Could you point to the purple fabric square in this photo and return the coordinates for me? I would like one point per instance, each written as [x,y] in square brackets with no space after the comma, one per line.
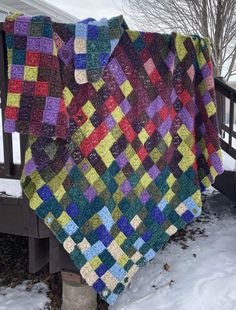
[121,160]
[144,197]
[153,172]
[117,71]
[126,187]
[30,167]
[17,72]
[72,210]
[170,60]
[110,122]
[66,53]
[49,117]
[33,44]
[158,216]
[164,128]
[9,126]
[90,193]
[52,104]
[187,119]
[125,106]
[155,106]
[21,27]
[46,45]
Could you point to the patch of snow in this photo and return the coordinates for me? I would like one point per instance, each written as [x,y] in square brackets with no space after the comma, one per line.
[11,187]
[23,298]
[200,277]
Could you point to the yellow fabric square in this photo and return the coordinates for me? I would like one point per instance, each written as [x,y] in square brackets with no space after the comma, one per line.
[67,95]
[143,136]
[78,137]
[88,109]
[211,109]
[168,139]
[197,197]
[123,260]
[169,195]
[35,201]
[146,180]
[37,180]
[64,218]
[60,192]
[98,84]
[30,73]
[84,245]
[92,176]
[183,132]
[126,88]
[135,221]
[135,162]
[117,114]
[120,238]
[87,128]
[69,244]
[13,100]
[95,262]
[170,180]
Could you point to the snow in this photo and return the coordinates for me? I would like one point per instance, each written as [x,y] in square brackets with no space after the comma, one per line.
[200,277]
[22,297]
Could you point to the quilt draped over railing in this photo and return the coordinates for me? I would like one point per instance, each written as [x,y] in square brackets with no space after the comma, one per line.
[122,137]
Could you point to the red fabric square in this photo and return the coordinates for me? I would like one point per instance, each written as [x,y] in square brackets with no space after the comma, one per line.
[150,128]
[142,153]
[154,76]
[110,103]
[184,97]
[127,130]
[32,59]
[15,86]
[41,89]
[11,113]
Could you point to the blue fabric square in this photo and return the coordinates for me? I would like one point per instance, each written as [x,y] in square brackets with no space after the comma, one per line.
[103,59]
[101,270]
[44,192]
[138,243]
[71,228]
[146,235]
[93,32]
[149,255]
[89,254]
[187,216]
[80,61]
[81,30]
[104,235]
[158,216]
[99,285]
[111,298]
[72,210]
[117,271]
[106,218]
[162,204]
[98,247]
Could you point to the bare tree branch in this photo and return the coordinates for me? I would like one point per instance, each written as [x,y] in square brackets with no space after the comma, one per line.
[215,19]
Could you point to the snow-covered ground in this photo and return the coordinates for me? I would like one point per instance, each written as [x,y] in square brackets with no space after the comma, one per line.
[199,277]
[24,297]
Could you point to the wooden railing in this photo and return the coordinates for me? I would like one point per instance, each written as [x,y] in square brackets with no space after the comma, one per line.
[227,125]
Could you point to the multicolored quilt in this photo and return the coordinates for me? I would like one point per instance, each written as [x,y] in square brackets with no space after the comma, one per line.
[141,143]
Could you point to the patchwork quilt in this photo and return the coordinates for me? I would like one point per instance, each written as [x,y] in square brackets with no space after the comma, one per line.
[114,165]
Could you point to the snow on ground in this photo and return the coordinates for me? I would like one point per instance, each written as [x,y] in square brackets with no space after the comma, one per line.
[199,277]
[24,297]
